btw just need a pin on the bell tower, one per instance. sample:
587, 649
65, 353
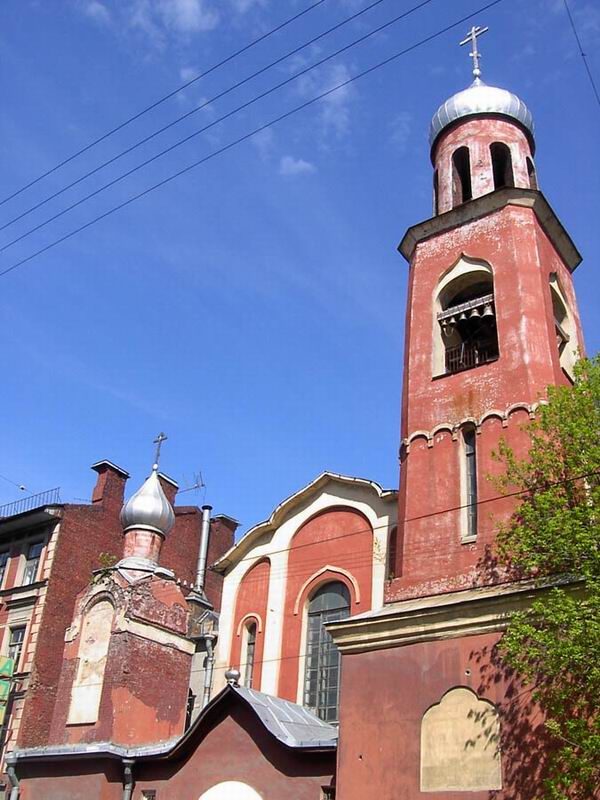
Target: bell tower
491, 321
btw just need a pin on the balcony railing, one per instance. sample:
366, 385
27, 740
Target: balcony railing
470, 354
47, 498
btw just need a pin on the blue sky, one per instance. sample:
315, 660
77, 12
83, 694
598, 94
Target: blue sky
253, 309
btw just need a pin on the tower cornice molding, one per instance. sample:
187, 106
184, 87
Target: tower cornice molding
490, 204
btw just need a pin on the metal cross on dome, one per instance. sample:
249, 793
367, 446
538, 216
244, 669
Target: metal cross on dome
158, 442
471, 38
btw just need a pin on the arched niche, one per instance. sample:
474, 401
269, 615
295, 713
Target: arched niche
502, 166
461, 176
564, 327
94, 641
460, 744
464, 325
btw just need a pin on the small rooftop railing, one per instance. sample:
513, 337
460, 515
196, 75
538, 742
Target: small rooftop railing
47, 498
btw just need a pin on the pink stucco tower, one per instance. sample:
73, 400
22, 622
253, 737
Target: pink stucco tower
491, 322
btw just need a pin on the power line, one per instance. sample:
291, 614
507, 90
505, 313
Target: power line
215, 122
194, 110
163, 99
485, 501
581, 50
247, 136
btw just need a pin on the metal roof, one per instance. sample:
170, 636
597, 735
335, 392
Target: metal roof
292, 724
289, 723
480, 98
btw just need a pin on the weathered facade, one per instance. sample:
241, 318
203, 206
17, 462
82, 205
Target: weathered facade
405, 586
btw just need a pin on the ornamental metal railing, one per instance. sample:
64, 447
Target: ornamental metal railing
47, 498
470, 354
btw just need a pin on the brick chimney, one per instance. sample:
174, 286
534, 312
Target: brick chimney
110, 485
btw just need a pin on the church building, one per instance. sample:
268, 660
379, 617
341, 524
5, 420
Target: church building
355, 654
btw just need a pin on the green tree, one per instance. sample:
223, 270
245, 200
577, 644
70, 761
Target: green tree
554, 537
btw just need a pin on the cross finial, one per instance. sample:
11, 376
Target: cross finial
158, 442
471, 38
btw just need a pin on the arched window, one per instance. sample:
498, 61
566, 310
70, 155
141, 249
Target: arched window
435, 192
469, 482
566, 338
461, 176
250, 651
322, 675
533, 184
465, 334
502, 165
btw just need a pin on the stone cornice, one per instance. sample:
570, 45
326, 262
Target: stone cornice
489, 204
446, 616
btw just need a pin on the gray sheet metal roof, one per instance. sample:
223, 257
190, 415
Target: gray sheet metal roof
292, 724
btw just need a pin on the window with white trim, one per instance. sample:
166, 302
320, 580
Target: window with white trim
322, 671
250, 651
15, 644
32, 563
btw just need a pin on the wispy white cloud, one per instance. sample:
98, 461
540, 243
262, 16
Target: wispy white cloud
242, 6
186, 16
295, 166
334, 114
400, 130
264, 143
96, 11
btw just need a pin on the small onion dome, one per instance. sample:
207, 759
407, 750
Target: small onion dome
479, 99
148, 508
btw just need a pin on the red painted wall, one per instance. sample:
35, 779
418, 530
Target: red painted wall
338, 537
255, 757
380, 718
430, 556
252, 598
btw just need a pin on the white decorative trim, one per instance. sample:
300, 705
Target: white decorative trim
327, 568
154, 634
465, 613
250, 615
454, 427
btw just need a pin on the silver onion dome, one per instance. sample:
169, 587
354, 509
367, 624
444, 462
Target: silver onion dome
480, 98
148, 508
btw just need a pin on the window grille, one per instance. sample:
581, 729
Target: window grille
322, 677
15, 645
32, 564
470, 480
250, 650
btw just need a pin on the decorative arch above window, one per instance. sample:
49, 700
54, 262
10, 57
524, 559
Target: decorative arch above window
465, 334
461, 176
566, 335
502, 167
330, 602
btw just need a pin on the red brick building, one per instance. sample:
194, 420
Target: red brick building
48, 552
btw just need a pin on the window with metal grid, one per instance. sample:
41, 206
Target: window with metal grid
322, 676
250, 649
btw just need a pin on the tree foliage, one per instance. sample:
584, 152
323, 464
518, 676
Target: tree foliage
554, 536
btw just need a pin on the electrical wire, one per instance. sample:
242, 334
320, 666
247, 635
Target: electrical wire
582, 53
212, 124
163, 99
450, 509
246, 136
194, 110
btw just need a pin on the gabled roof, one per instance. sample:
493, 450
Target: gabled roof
287, 505
292, 725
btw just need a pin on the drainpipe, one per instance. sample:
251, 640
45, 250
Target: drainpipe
203, 551
210, 639
11, 763
127, 778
